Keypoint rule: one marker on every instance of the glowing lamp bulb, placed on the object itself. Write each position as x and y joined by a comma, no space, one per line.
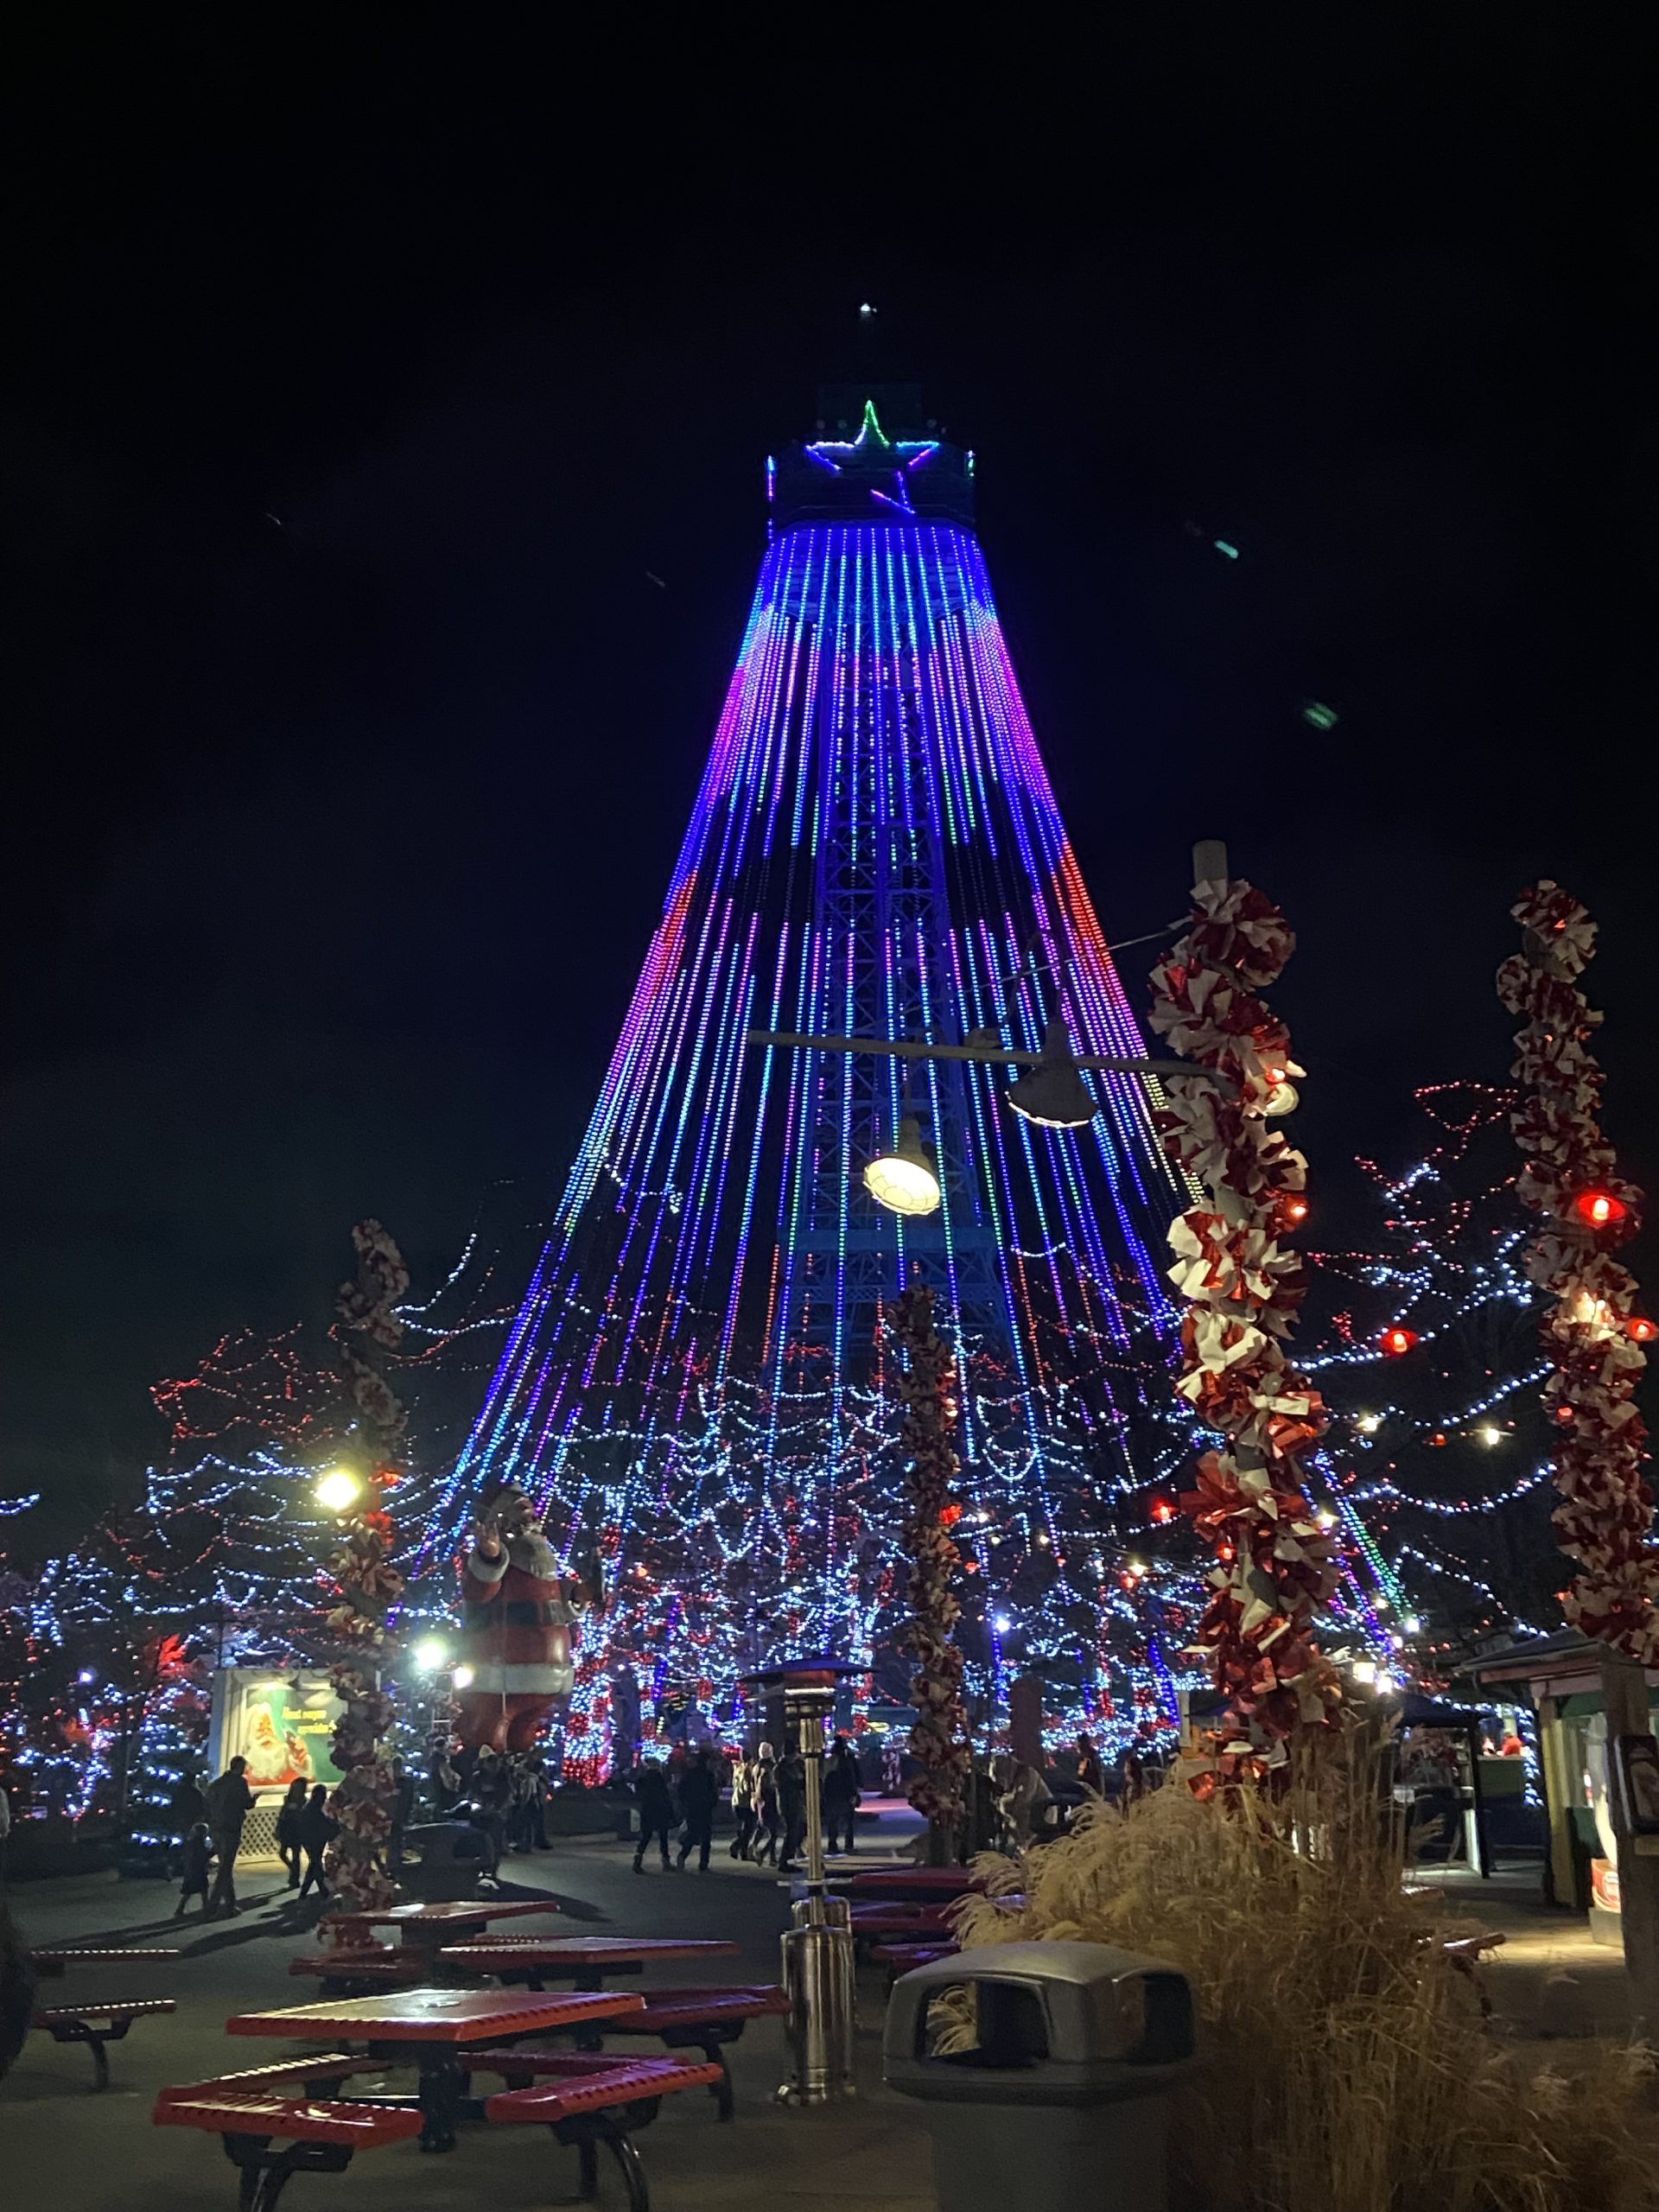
1397,1340
1489,1433
463,1678
1599,1208
431,1654
1002,1623
904,1180
1295,1209
1642,1328
1162,1508
1368,1424
339,1490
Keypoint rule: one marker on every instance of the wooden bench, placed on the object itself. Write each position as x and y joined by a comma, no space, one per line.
320,2134
594,2097
705,2020
98,2026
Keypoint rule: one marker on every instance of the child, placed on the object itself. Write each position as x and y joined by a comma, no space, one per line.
198,1863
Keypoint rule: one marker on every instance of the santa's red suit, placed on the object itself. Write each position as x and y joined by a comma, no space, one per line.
516,1638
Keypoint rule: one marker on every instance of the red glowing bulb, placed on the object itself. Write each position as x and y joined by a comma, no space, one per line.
1642,1328
1397,1340
1599,1208
1295,1209
1162,1508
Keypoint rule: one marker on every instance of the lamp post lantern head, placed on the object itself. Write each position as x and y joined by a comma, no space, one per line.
904,1180
339,1490
1054,1093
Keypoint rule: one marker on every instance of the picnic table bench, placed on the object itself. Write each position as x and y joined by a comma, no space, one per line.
290,2117
95,2022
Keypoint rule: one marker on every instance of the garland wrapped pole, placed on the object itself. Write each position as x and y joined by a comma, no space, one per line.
939,1738
1593,1335
364,1801
1242,1286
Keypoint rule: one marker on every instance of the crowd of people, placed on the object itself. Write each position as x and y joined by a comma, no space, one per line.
676,1797
680,1792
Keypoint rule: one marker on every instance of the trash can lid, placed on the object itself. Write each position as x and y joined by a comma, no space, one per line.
1047,2004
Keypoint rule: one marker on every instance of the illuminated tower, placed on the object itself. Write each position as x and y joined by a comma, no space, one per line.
698,1374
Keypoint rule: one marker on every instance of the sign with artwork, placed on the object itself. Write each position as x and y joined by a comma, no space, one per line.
281,1724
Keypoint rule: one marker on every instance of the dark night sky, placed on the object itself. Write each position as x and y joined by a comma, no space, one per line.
356,376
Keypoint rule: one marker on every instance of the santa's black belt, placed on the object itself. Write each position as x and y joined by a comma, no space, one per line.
512,1612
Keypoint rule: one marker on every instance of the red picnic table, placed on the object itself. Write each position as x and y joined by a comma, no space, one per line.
585,1959
49,1965
931,1884
425,1928
439,2024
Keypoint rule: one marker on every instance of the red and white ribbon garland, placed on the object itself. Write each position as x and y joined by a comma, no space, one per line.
1593,1332
1242,1286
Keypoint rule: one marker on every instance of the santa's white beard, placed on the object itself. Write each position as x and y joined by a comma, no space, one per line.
531,1553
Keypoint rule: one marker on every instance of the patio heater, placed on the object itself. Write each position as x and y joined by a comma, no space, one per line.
817,1947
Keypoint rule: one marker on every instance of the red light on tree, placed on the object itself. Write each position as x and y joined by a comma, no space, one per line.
1294,1209
1599,1208
1397,1340
1642,1328
1161,1508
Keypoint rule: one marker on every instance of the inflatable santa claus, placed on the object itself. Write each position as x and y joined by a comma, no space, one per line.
517,1617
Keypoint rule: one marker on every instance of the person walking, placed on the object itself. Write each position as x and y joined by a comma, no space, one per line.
287,1832
227,1801
656,1803
768,1819
1090,1773
1025,1798
743,1805
403,1811
791,1807
699,1792
317,1832
194,1874
840,1795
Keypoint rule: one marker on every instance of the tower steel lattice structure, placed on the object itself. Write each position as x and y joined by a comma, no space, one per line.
698,1379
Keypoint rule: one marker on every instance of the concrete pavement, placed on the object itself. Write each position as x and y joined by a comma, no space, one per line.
64,2150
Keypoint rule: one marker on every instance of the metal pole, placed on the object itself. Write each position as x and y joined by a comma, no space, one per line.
818,1949
991,1054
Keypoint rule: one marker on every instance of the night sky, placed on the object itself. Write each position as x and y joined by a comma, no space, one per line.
359,380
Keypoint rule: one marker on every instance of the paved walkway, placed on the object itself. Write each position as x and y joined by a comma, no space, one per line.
63,2150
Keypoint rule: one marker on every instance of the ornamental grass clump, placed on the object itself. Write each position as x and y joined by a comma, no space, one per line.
1344,2064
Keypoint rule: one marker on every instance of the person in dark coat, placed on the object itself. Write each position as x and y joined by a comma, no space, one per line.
317,1832
288,1831
198,1858
1090,1773
699,1793
839,1796
16,1990
229,1800
792,1805
656,1803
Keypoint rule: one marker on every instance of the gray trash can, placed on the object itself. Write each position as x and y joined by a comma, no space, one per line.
1062,2105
